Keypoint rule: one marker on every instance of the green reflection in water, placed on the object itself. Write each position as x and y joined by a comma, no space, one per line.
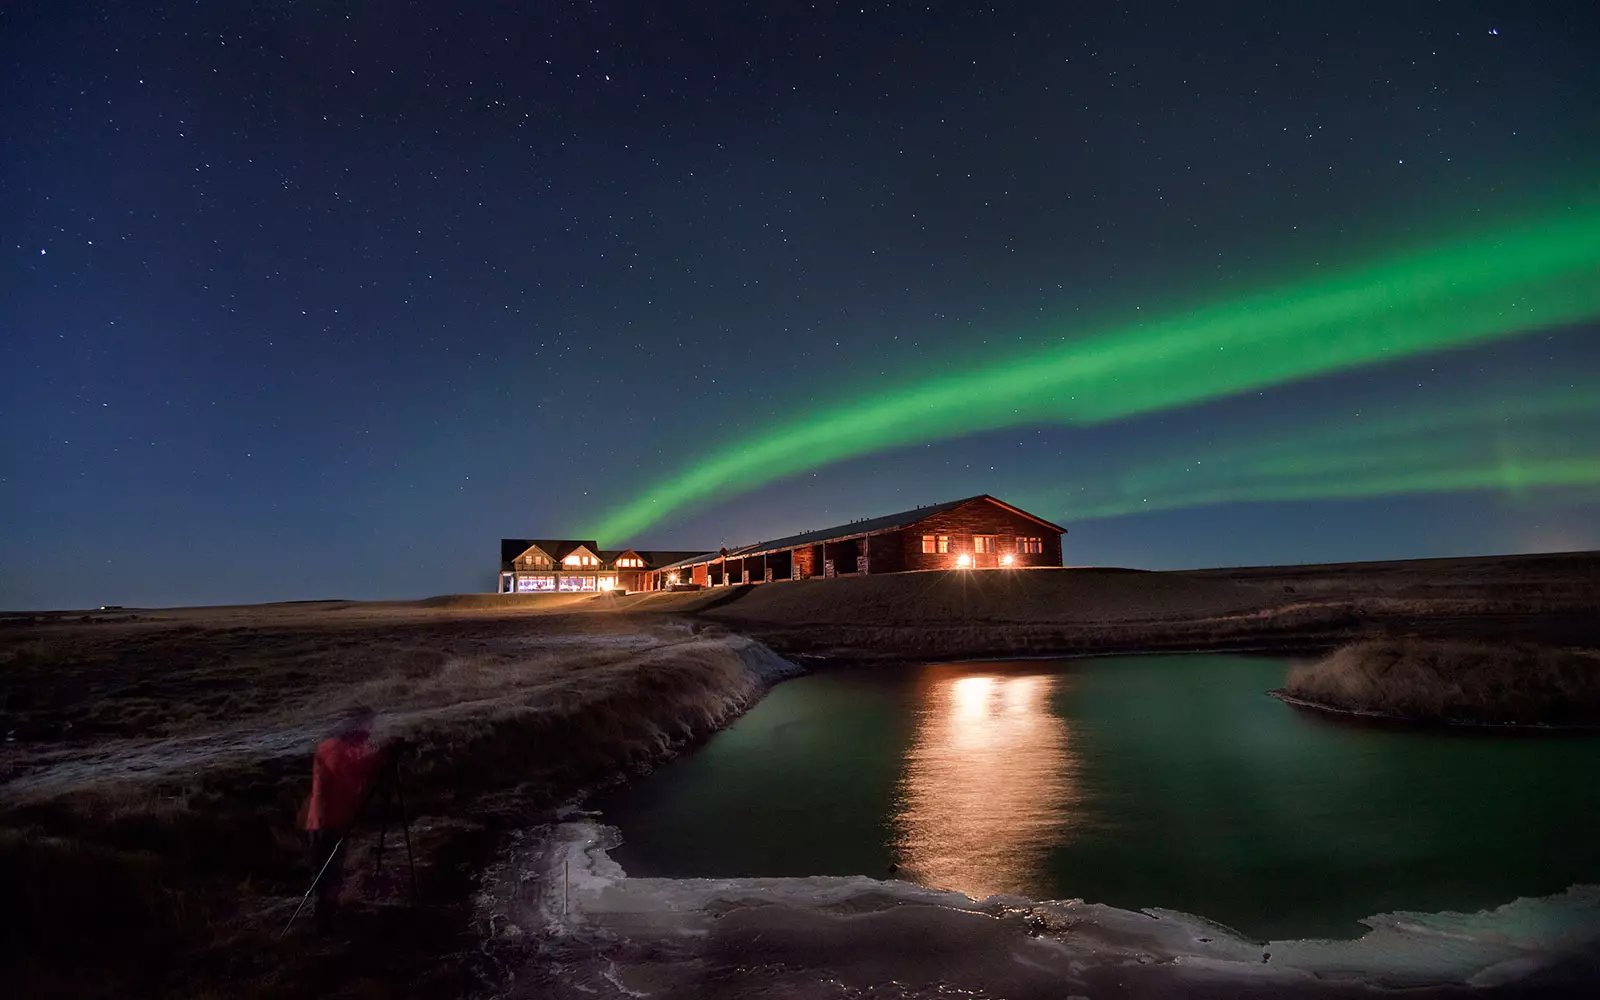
1134,781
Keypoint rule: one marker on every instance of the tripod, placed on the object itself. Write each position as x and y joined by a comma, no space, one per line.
389,783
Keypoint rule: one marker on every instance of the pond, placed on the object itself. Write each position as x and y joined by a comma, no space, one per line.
1155,781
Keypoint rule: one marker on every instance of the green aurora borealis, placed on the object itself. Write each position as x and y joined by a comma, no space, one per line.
1470,290
1539,440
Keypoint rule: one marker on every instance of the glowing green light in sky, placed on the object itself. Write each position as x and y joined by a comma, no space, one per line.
1542,440
1490,286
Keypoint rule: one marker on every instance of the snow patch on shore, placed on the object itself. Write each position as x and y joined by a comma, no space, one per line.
620,935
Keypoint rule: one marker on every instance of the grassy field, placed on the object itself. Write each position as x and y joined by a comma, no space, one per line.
156,762
1542,599
1455,682
156,766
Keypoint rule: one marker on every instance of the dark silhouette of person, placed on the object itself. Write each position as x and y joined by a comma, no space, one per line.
344,768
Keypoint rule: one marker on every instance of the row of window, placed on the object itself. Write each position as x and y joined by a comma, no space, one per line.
541,562
982,544
565,584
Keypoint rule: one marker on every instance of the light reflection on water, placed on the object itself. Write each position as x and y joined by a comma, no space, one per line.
989,786
1134,781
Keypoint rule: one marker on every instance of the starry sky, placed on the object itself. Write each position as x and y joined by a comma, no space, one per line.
321,300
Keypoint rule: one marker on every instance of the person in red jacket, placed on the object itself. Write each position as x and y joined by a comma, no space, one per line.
344,768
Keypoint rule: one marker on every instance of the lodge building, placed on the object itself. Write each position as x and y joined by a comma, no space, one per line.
549,566
976,533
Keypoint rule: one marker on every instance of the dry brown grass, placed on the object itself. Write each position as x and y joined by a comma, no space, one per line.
158,768
1543,599
155,762
1455,682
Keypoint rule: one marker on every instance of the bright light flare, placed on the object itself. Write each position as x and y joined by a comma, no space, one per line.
963,562
1007,559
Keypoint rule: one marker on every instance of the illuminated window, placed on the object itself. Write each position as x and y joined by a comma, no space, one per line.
983,543
944,543
1030,545
928,544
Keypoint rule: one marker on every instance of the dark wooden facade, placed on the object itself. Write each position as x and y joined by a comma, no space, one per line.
976,533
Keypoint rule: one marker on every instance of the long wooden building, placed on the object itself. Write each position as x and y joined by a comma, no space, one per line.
973,533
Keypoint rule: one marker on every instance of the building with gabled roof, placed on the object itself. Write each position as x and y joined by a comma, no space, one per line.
574,565
973,533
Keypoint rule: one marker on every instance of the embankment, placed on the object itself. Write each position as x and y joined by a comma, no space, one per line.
157,768
1546,599
1471,683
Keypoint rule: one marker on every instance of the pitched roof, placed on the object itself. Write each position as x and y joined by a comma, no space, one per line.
559,548
656,558
887,522
555,548
653,558
690,560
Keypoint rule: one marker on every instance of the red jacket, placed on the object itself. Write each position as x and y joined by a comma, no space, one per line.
339,778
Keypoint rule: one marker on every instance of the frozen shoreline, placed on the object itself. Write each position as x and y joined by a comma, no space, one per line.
583,927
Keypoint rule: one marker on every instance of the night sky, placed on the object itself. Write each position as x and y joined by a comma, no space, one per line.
307,300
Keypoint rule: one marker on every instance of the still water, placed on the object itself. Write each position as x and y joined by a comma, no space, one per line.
1167,781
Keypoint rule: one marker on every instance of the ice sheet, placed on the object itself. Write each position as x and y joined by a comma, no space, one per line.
610,934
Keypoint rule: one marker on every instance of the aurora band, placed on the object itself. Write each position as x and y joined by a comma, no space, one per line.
1543,439
1471,290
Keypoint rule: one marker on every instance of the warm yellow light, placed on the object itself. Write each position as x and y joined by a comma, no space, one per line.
970,697
964,561
1007,559
673,579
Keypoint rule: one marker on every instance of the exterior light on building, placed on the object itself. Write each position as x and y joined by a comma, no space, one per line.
672,578
964,561
1007,559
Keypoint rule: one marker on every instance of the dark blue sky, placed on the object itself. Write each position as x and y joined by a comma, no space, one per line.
317,300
